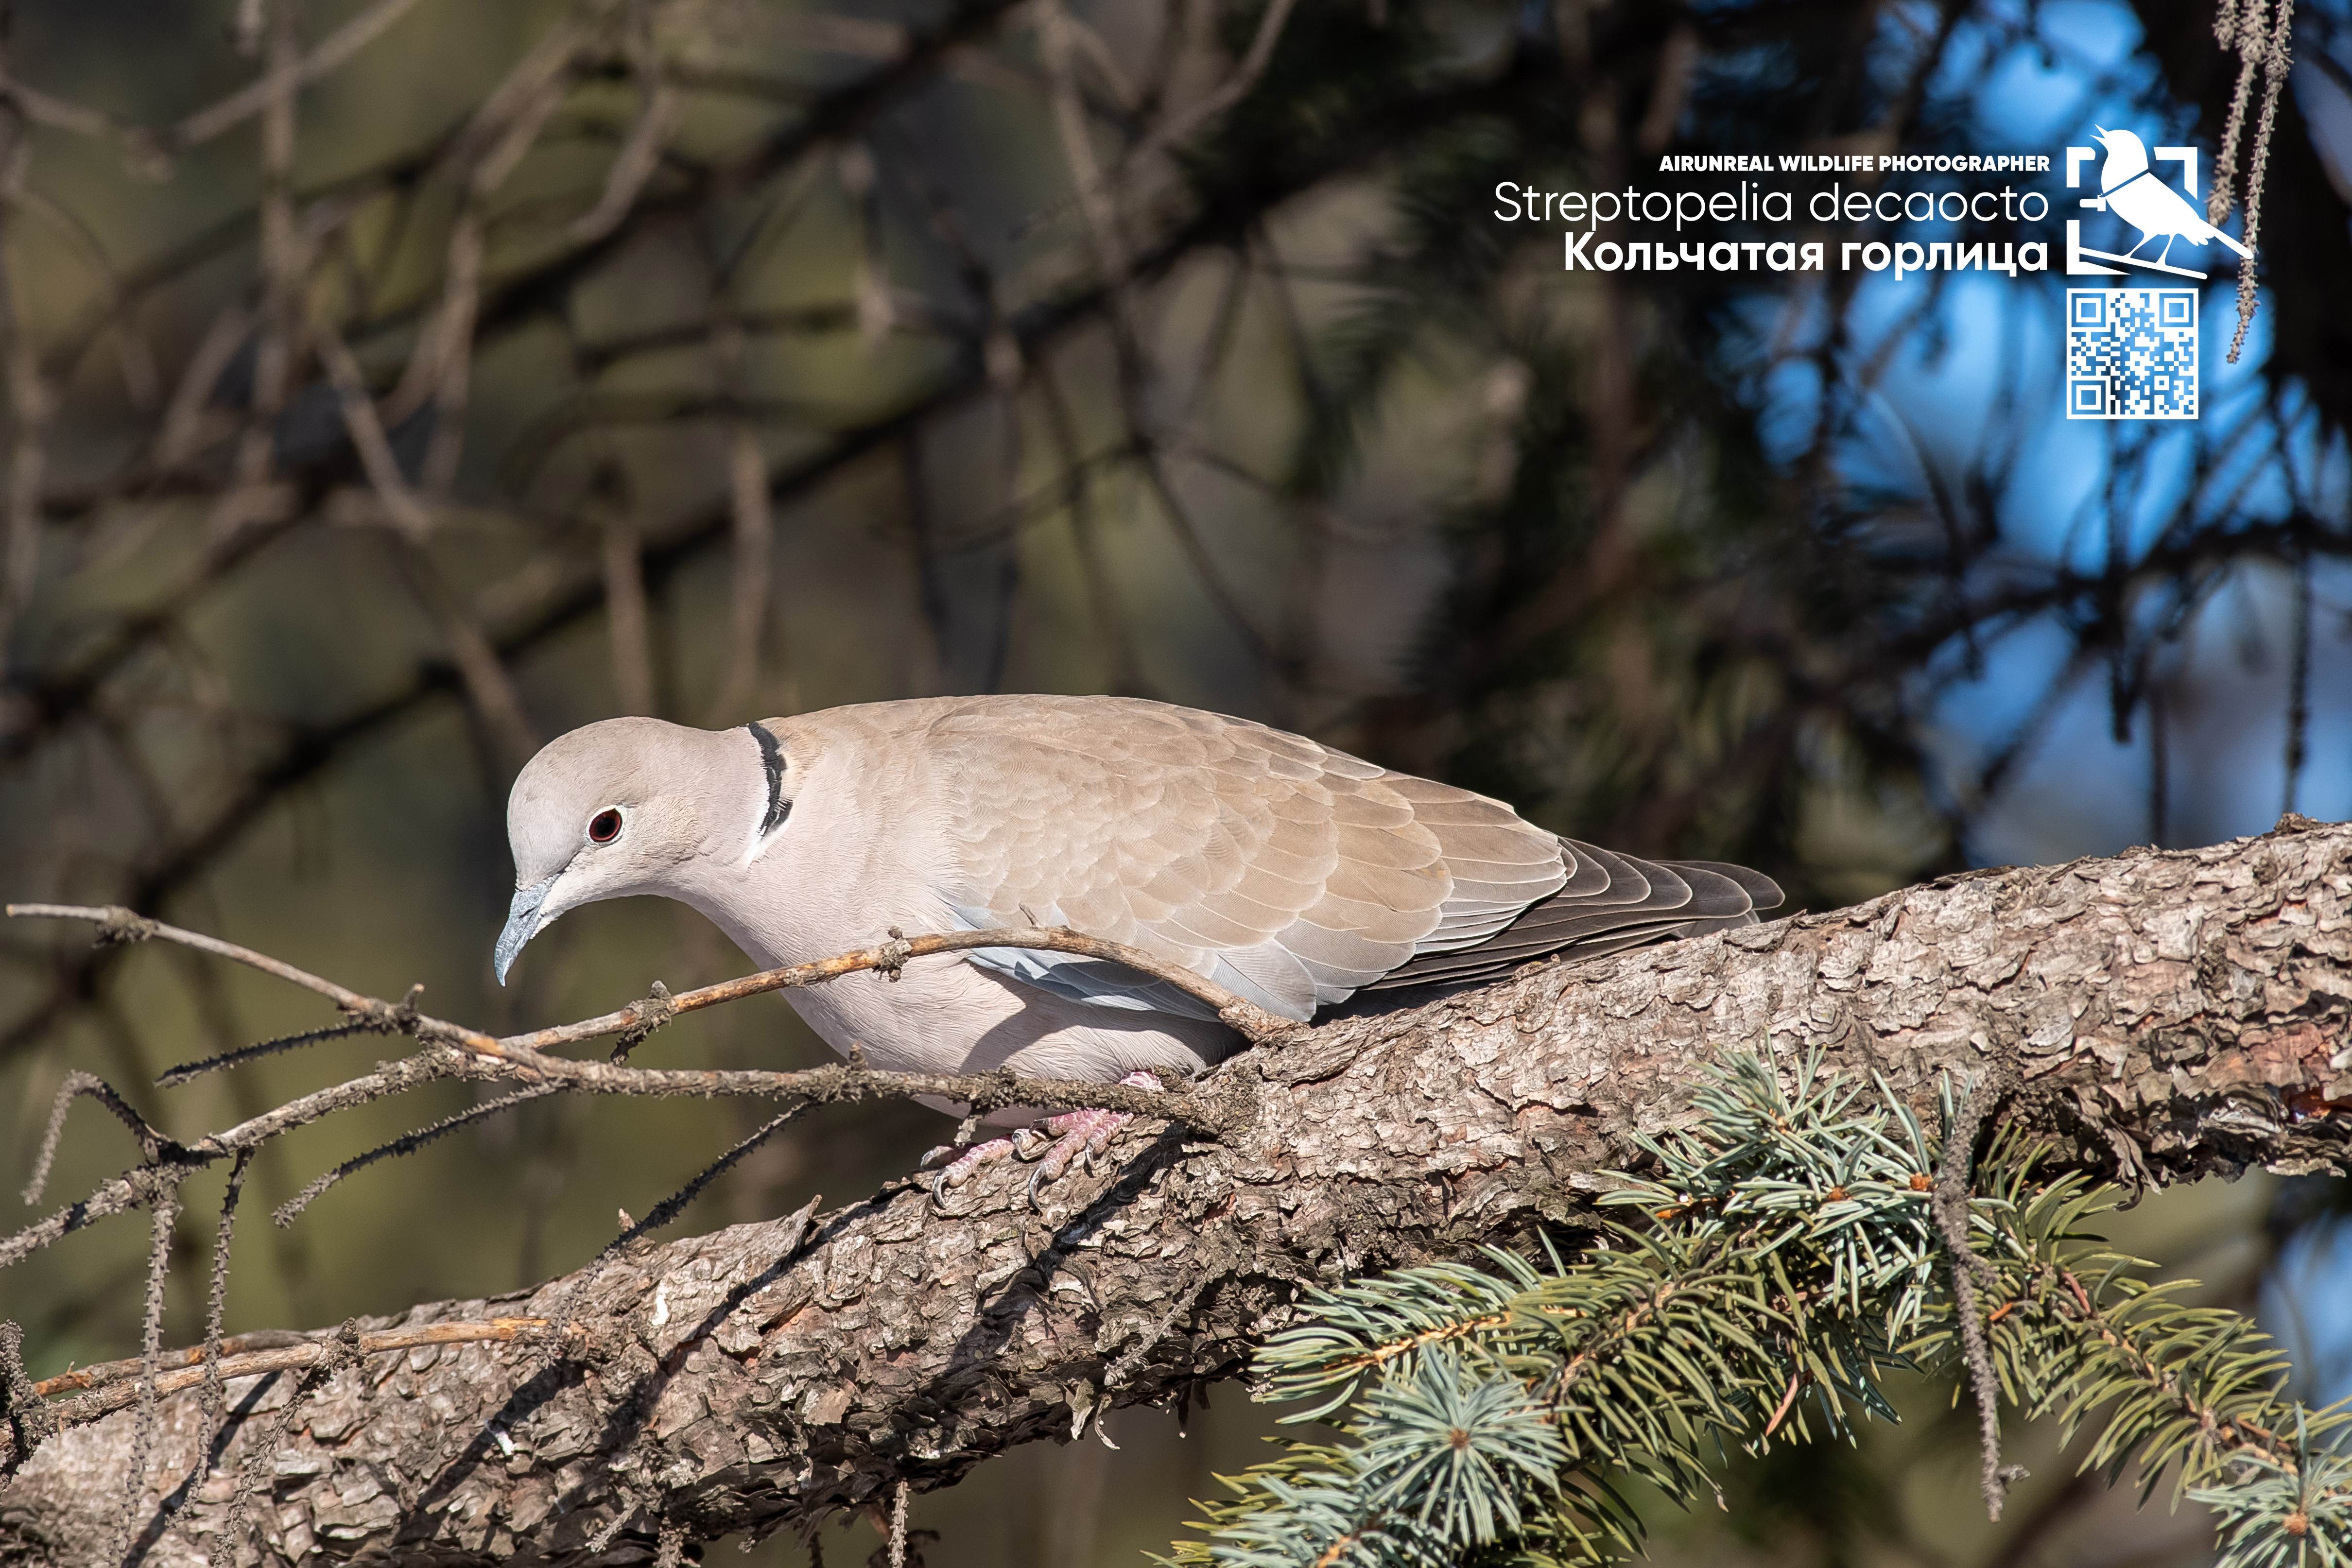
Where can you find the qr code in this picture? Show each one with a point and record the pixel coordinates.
(2131, 353)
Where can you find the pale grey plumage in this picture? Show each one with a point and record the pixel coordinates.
(1291, 874)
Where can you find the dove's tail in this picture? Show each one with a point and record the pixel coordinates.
(2213, 233)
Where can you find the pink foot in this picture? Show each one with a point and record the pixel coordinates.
(969, 1162)
(1071, 1137)
(1081, 1136)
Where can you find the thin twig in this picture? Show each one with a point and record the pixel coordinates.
(282, 261)
(332, 51)
(1949, 1204)
(488, 686)
(1182, 124)
(1235, 1011)
(451, 1050)
(172, 1077)
(640, 153)
(367, 433)
(2270, 51)
(1112, 259)
(406, 1144)
(116, 1384)
(262, 1451)
(673, 1205)
(217, 1304)
(121, 1193)
(753, 543)
(148, 1391)
(79, 1085)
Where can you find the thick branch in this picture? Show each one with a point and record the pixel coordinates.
(2167, 1016)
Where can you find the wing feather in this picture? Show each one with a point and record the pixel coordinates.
(1286, 872)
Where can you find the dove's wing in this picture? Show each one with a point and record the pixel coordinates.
(1286, 872)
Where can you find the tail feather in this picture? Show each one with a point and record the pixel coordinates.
(1636, 901)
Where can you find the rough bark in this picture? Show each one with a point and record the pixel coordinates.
(2170, 1015)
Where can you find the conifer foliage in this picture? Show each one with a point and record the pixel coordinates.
(1781, 1258)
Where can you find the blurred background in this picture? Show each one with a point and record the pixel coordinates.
(393, 384)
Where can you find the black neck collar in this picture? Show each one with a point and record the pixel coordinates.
(771, 758)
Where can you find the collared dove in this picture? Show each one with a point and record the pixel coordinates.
(1290, 874)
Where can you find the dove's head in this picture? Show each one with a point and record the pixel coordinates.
(627, 806)
(2127, 153)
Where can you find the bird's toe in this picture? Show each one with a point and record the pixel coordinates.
(955, 1173)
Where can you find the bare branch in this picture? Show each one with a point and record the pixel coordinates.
(453, 1050)
(367, 433)
(753, 539)
(126, 1192)
(29, 400)
(332, 51)
(627, 615)
(216, 1298)
(407, 1143)
(487, 685)
(1237, 1012)
(172, 1077)
(60, 114)
(284, 260)
(640, 153)
(676, 1204)
(1095, 185)
(116, 1384)
(79, 1085)
(164, 1213)
(117, 924)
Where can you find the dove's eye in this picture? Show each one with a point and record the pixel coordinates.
(604, 826)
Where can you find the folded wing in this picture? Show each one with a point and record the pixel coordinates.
(1288, 872)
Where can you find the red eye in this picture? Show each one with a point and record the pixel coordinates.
(604, 826)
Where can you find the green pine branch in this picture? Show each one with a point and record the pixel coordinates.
(1781, 1259)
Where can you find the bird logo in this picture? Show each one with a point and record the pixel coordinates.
(2131, 188)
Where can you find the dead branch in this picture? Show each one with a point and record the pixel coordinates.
(330, 52)
(114, 1382)
(117, 924)
(453, 1050)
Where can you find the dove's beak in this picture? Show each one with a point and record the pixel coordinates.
(522, 924)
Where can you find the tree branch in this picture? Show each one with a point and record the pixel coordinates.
(117, 924)
(2169, 1015)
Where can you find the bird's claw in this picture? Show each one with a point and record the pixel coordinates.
(967, 1163)
(1073, 1137)
(1080, 1137)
